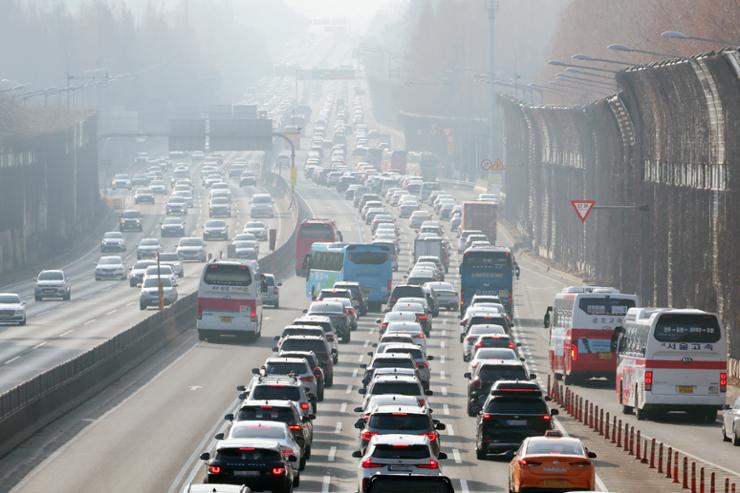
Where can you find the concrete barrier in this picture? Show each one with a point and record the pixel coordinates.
(32, 405)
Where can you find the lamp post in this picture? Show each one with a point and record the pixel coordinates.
(682, 35)
(627, 49)
(571, 70)
(582, 57)
(583, 80)
(558, 63)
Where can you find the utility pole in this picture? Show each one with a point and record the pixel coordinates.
(492, 5)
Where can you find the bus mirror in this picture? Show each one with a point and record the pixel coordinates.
(340, 237)
(619, 330)
(546, 320)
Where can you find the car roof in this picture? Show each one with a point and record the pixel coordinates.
(267, 402)
(392, 355)
(284, 359)
(305, 338)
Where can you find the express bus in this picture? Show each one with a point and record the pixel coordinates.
(487, 270)
(581, 322)
(671, 360)
(229, 301)
(310, 231)
(370, 265)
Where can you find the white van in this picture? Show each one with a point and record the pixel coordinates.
(229, 301)
(671, 360)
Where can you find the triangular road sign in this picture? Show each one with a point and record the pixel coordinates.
(583, 208)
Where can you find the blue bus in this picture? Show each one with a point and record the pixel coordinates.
(371, 265)
(487, 271)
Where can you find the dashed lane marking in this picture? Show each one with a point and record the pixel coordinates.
(338, 427)
(446, 410)
(442, 375)
(354, 373)
(332, 453)
(443, 344)
(349, 389)
(456, 456)
(325, 484)
(366, 343)
(40, 344)
(66, 333)
(450, 430)
(444, 391)
(343, 407)
(92, 320)
(111, 312)
(14, 358)
(464, 486)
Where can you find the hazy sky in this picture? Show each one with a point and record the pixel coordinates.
(341, 8)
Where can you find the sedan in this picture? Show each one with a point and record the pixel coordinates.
(110, 267)
(731, 423)
(113, 241)
(148, 248)
(149, 295)
(215, 228)
(12, 309)
(172, 226)
(191, 249)
(268, 430)
(256, 228)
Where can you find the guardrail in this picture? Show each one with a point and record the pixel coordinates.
(32, 405)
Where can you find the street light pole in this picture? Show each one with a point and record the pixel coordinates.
(491, 5)
(682, 35)
(627, 49)
(587, 58)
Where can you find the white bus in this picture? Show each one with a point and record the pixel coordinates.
(671, 360)
(229, 301)
(581, 322)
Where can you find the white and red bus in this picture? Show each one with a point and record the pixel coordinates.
(671, 360)
(229, 301)
(581, 322)
(309, 232)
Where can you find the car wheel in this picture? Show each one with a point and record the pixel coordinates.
(480, 454)
(37, 298)
(97, 278)
(308, 453)
(725, 438)
(132, 282)
(142, 306)
(302, 464)
(23, 322)
(735, 436)
(277, 304)
(471, 411)
(68, 296)
(329, 382)
(320, 397)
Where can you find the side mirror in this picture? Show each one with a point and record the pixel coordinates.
(292, 458)
(358, 409)
(467, 375)
(440, 426)
(219, 436)
(305, 310)
(532, 376)
(509, 454)
(377, 321)
(359, 424)
(255, 371)
(229, 417)
(205, 456)
(311, 417)
(362, 391)
(522, 359)
(430, 358)
(547, 398)
(374, 344)
(442, 456)
(428, 392)
(554, 412)
(370, 353)
(280, 284)
(591, 455)
(274, 350)
(242, 388)
(243, 396)
(725, 407)
(357, 454)
(363, 366)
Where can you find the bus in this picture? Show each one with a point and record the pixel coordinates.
(370, 265)
(229, 301)
(581, 322)
(309, 232)
(488, 270)
(671, 360)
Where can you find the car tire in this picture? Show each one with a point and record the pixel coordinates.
(22, 322)
(142, 306)
(480, 455)
(97, 278)
(470, 410)
(725, 438)
(320, 397)
(277, 305)
(37, 298)
(302, 464)
(308, 453)
(346, 338)
(735, 436)
(201, 336)
(68, 296)
(329, 382)
(132, 282)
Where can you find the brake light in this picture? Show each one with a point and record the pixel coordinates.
(368, 463)
(253, 312)
(525, 462)
(648, 380)
(265, 407)
(573, 351)
(723, 382)
(421, 402)
(399, 414)
(433, 464)
(546, 417)
(487, 417)
(246, 449)
(214, 469)
(367, 435)
(512, 345)
(287, 451)
(389, 284)
(431, 436)
(422, 317)
(423, 364)
(304, 406)
(278, 471)
(581, 463)
(199, 314)
(479, 344)
(476, 383)
(472, 338)
(308, 379)
(421, 335)
(400, 445)
(294, 427)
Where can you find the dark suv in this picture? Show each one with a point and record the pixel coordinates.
(316, 344)
(486, 374)
(405, 291)
(408, 420)
(357, 293)
(512, 412)
(131, 220)
(335, 311)
(257, 463)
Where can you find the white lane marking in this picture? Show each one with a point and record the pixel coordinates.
(325, 484)
(359, 358)
(14, 358)
(354, 373)
(450, 430)
(40, 344)
(338, 427)
(464, 486)
(444, 332)
(332, 453)
(66, 333)
(443, 344)
(446, 410)
(456, 456)
(343, 407)
(366, 343)
(92, 320)
(130, 303)
(349, 389)
(444, 391)
(112, 311)
(442, 375)
(443, 359)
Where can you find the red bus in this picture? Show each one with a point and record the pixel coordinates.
(309, 232)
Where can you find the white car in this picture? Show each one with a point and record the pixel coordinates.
(487, 354)
(52, 284)
(149, 295)
(191, 249)
(148, 248)
(215, 228)
(12, 309)
(110, 267)
(268, 430)
(113, 241)
(173, 260)
(161, 271)
(256, 228)
(261, 206)
(413, 329)
(472, 337)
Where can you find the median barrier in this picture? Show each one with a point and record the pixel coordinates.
(32, 405)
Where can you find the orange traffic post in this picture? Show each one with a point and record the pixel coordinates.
(701, 480)
(668, 463)
(652, 454)
(660, 458)
(619, 433)
(675, 467)
(693, 477)
(644, 459)
(631, 440)
(601, 422)
(727, 485)
(685, 473)
(638, 441)
(606, 427)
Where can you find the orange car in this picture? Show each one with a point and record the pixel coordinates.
(551, 462)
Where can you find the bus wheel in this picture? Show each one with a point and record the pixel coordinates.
(569, 379)
(640, 414)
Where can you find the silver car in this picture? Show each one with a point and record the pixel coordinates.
(270, 290)
(110, 267)
(137, 272)
(12, 309)
(420, 359)
(113, 241)
(261, 206)
(172, 259)
(148, 248)
(191, 249)
(731, 422)
(216, 228)
(256, 228)
(150, 292)
(52, 284)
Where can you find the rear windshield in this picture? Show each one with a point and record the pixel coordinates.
(687, 328)
(493, 373)
(415, 353)
(281, 368)
(554, 447)
(227, 275)
(393, 363)
(266, 413)
(488, 321)
(401, 451)
(316, 346)
(276, 392)
(516, 406)
(405, 484)
(399, 421)
(402, 388)
(605, 306)
(257, 431)
(408, 292)
(248, 454)
(499, 342)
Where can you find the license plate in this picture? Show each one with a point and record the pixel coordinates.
(227, 320)
(555, 483)
(516, 422)
(246, 473)
(685, 389)
(399, 468)
(605, 355)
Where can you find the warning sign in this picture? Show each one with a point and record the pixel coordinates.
(489, 165)
(583, 208)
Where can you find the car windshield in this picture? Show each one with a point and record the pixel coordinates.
(399, 421)
(554, 446)
(404, 327)
(261, 199)
(279, 392)
(254, 225)
(9, 298)
(285, 368)
(228, 275)
(315, 345)
(401, 451)
(110, 261)
(415, 353)
(393, 363)
(256, 431)
(51, 276)
(408, 307)
(131, 215)
(114, 235)
(191, 242)
(403, 388)
(151, 282)
(400, 317)
(326, 308)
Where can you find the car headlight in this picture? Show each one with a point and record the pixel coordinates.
(20, 312)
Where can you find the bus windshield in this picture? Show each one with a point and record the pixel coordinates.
(605, 306)
(687, 328)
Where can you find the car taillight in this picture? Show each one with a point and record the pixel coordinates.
(278, 471)
(421, 317)
(648, 380)
(476, 383)
(253, 312)
(384, 325)
(524, 462)
(581, 463)
(546, 417)
(512, 345)
(478, 344)
(347, 310)
(308, 379)
(368, 464)
(487, 417)
(367, 435)
(573, 351)
(432, 436)
(214, 469)
(723, 382)
(423, 364)
(389, 284)
(432, 464)
(421, 335)
(200, 312)
(294, 427)
(287, 451)
(304, 406)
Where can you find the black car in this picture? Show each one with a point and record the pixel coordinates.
(405, 291)
(257, 463)
(131, 220)
(316, 344)
(356, 290)
(512, 412)
(486, 374)
(404, 482)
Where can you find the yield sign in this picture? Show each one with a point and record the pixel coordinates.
(583, 208)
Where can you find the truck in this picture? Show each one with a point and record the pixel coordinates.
(428, 246)
(481, 215)
(429, 166)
